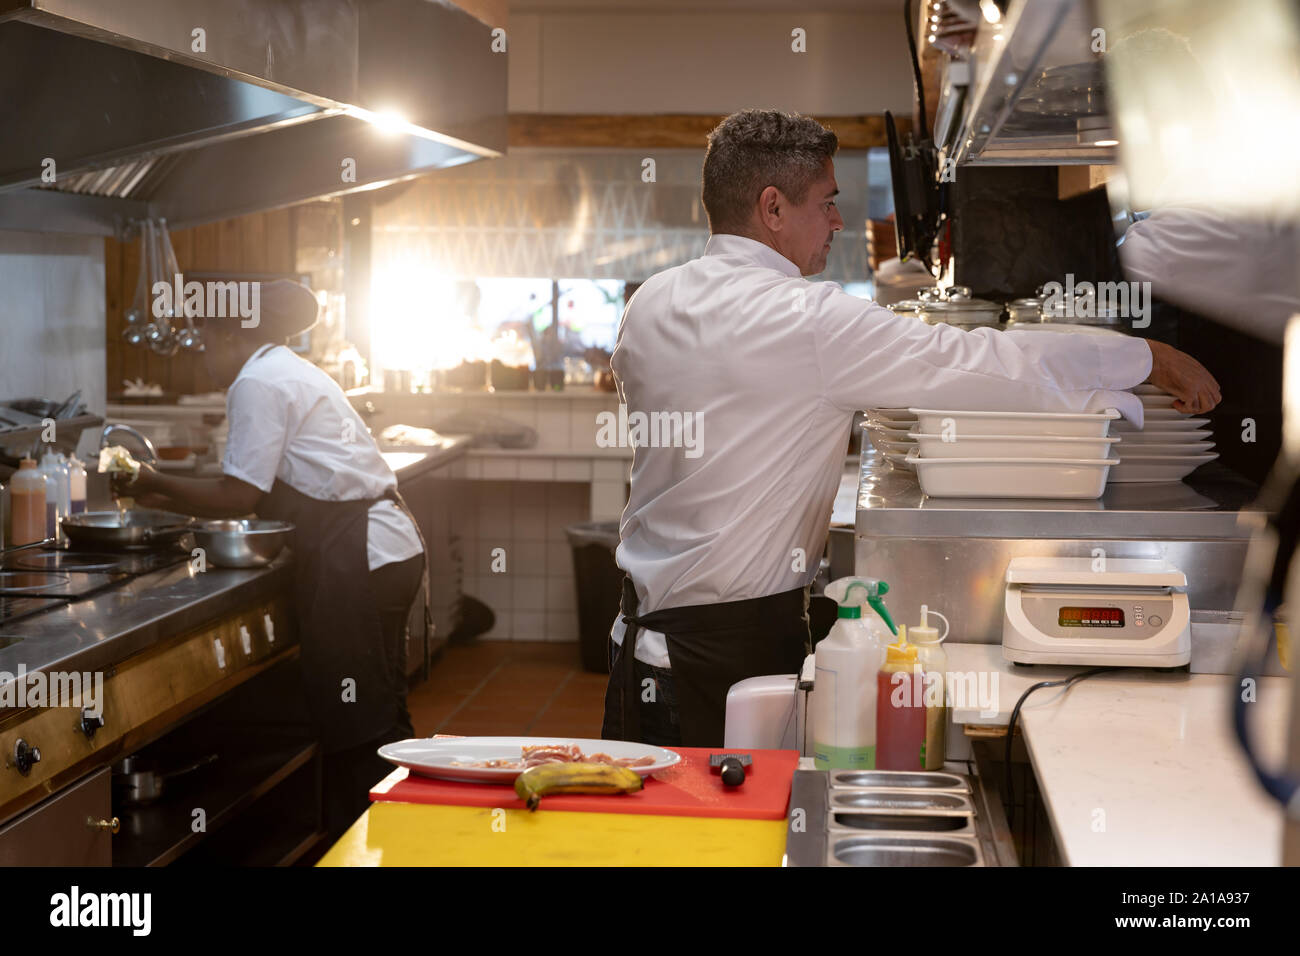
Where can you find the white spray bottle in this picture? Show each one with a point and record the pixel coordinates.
(844, 692)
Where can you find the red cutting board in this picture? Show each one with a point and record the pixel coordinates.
(686, 790)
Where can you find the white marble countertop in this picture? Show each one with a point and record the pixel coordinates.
(1140, 767)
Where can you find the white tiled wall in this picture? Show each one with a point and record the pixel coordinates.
(534, 598)
(520, 502)
(52, 318)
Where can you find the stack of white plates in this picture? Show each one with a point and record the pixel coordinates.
(966, 454)
(1169, 448)
(888, 431)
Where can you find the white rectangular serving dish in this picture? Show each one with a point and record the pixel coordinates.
(1061, 424)
(1014, 446)
(1012, 477)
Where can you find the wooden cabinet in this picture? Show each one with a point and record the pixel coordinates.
(141, 698)
(73, 828)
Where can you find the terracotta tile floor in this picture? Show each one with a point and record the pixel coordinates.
(507, 687)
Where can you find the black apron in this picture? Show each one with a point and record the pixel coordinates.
(337, 616)
(710, 647)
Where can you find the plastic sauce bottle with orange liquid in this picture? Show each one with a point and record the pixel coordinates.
(27, 504)
(900, 708)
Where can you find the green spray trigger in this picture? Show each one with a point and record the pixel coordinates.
(878, 605)
(841, 589)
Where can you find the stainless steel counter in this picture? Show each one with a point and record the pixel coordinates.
(952, 553)
(102, 631)
(1207, 505)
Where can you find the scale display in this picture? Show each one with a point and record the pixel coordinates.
(1090, 617)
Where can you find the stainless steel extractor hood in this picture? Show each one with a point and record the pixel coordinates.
(1036, 93)
(197, 110)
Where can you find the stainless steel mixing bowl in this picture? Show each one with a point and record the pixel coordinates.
(241, 543)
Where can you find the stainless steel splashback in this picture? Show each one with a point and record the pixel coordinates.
(952, 553)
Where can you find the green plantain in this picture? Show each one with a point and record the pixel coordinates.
(537, 782)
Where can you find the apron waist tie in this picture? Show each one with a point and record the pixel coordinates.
(684, 621)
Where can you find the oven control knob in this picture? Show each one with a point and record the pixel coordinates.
(246, 640)
(25, 756)
(268, 625)
(88, 724)
(1155, 620)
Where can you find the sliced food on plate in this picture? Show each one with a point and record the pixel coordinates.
(501, 759)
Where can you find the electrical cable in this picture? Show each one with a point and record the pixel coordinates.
(1008, 789)
(1260, 596)
(918, 86)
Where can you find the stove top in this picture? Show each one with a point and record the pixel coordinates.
(54, 583)
(38, 580)
(61, 561)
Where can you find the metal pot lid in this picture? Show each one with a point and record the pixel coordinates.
(964, 305)
(907, 306)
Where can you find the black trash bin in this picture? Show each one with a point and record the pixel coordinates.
(600, 588)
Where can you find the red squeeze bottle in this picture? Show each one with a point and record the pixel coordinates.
(900, 708)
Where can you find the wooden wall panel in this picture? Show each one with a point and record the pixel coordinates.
(263, 242)
(668, 131)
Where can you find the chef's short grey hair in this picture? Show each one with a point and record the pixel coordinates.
(754, 149)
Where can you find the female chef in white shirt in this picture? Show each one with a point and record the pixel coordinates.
(298, 451)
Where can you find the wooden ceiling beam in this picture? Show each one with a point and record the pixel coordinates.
(667, 130)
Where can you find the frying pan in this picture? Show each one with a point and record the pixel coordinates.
(131, 530)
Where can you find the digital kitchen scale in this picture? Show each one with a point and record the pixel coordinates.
(1119, 612)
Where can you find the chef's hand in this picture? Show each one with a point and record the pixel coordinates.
(123, 486)
(1194, 389)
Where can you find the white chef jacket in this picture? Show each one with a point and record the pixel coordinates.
(287, 421)
(777, 365)
(1237, 271)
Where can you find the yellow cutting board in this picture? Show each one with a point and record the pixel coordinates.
(409, 834)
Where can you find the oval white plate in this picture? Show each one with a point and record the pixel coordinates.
(1169, 422)
(1172, 437)
(1152, 450)
(433, 757)
(1163, 415)
(1158, 469)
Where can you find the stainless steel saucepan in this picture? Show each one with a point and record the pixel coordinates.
(139, 781)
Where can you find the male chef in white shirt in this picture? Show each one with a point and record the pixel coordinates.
(729, 513)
